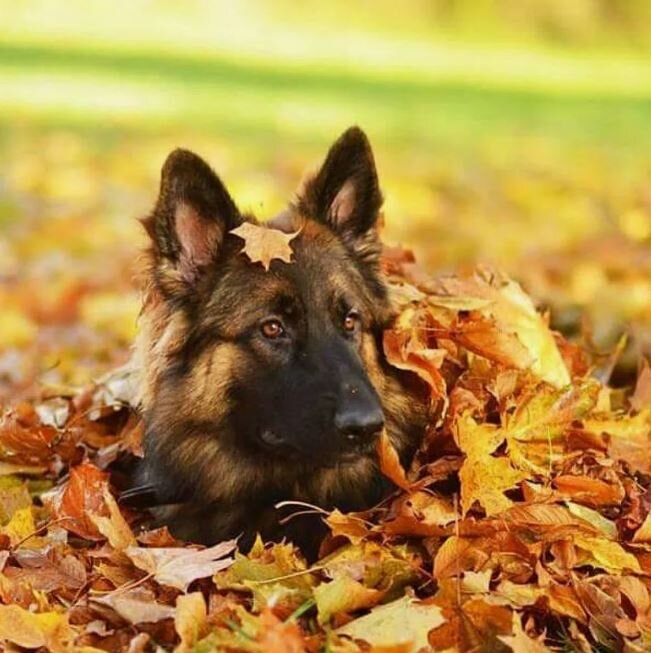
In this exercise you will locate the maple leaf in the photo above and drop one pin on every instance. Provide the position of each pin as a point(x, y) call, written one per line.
point(484, 477)
point(275, 636)
point(263, 244)
point(512, 331)
point(178, 567)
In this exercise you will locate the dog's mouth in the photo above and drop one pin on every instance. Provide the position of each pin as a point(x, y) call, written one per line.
point(350, 452)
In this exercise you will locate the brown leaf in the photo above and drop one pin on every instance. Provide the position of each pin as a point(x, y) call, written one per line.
point(473, 626)
point(47, 572)
point(564, 600)
point(137, 606)
point(263, 244)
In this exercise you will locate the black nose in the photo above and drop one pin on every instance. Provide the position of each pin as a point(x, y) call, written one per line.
point(358, 422)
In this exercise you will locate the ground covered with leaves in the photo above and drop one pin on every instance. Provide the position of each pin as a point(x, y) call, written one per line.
point(523, 524)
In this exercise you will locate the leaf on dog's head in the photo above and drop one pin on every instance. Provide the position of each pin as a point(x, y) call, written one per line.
point(263, 244)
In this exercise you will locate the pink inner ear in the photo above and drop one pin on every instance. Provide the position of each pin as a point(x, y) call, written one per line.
point(198, 237)
point(343, 204)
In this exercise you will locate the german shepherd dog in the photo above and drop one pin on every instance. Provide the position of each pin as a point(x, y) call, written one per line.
point(261, 386)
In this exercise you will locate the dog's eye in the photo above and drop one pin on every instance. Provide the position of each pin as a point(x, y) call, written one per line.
point(351, 321)
point(272, 329)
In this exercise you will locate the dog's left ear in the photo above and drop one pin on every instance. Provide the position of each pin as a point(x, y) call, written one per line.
point(345, 193)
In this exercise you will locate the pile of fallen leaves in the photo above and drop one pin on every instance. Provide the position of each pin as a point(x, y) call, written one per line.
point(523, 524)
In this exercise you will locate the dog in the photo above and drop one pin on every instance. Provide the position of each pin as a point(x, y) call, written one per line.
point(260, 386)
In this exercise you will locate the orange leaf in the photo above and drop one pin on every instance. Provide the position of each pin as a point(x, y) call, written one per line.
point(405, 352)
point(419, 514)
point(587, 490)
point(79, 499)
point(390, 462)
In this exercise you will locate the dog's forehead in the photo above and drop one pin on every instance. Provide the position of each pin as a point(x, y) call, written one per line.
point(321, 263)
point(321, 271)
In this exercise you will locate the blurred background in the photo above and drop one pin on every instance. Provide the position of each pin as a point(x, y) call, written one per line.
point(513, 132)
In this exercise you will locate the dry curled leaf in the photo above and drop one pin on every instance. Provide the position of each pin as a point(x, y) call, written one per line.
point(390, 463)
point(179, 567)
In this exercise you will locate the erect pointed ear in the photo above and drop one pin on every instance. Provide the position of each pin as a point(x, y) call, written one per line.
point(192, 215)
point(345, 193)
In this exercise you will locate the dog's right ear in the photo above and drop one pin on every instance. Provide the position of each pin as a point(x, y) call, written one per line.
point(192, 215)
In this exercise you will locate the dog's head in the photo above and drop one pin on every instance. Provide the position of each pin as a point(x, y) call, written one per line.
point(278, 364)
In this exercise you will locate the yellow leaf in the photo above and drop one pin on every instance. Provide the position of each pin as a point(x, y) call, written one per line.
point(190, 619)
point(343, 594)
point(516, 310)
point(30, 630)
point(114, 528)
point(484, 478)
point(263, 244)
point(16, 329)
point(606, 554)
point(402, 622)
point(20, 526)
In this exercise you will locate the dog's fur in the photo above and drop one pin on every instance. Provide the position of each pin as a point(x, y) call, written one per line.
point(236, 421)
